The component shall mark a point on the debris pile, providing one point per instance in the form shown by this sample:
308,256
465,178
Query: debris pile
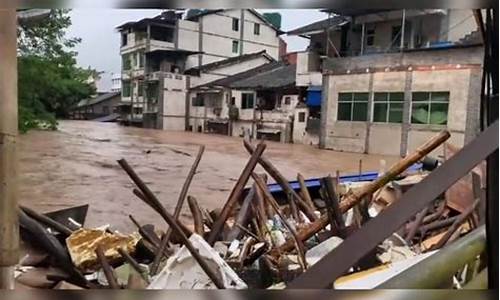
258,238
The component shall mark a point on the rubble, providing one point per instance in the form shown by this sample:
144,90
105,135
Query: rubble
254,239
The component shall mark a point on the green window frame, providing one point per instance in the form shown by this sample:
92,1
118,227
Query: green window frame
352,107
236,46
388,107
247,100
126,88
430,107
140,88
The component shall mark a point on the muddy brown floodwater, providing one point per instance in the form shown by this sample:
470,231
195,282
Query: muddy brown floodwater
77,165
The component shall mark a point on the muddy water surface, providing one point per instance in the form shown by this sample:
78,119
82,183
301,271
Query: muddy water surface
77,165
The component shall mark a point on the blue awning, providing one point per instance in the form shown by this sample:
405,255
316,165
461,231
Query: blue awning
313,96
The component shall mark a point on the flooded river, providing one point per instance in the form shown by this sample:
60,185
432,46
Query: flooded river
77,165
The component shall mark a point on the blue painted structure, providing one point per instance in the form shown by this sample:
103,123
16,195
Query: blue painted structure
313,96
314,183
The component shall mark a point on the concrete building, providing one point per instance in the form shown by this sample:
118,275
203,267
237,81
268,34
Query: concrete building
370,79
259,103
392,103
164,56
116,82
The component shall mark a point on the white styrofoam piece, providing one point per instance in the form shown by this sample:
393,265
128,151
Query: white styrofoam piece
183,272
317,252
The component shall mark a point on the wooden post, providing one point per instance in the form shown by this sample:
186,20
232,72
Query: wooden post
235,193
9,229
197,215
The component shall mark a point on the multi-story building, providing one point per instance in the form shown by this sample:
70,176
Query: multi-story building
384,81
157,52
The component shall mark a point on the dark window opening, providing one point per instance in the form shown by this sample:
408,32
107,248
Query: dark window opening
287,100
200,128
247,100
302,117
126,88
236,47
236,24
256,29
124,39
370,37
233,100
198,100
165,34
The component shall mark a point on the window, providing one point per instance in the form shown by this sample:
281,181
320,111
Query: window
429,107
236,47
126,63
140,88
396,36
133,60
256,29
124,39
137,110
198,100
287,100
370,36
233,100
302,117
126,88
246,100
352,107
388,107
236,24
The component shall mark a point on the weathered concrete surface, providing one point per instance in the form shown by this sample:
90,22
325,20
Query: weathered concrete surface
77,165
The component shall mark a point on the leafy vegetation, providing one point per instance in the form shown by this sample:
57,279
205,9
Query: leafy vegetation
49,81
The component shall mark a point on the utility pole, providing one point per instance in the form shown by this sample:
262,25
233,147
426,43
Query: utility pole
9,228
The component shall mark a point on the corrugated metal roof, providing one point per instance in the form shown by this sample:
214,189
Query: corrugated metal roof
316,27
281,76
98,99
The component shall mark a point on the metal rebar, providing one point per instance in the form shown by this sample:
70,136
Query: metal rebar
107,269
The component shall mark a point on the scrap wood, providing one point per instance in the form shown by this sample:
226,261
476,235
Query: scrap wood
108,270
352,198
283,182
363,241
39,237
178,208
197,215
332,203
243,215
416,224
172,222
270,199
436,225
455,226
460,195
235,193
65,231
304,191
436,214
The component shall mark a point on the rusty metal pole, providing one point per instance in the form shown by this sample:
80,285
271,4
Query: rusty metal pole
9,229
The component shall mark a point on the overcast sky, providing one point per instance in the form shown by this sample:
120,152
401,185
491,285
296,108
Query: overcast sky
100,46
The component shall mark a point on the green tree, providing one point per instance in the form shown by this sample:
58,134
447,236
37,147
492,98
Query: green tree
49,81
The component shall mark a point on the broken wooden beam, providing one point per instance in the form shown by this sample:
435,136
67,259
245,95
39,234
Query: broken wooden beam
178,208
304,192
243,215
197,215
332,205
172,222
65,231
283,182
235,194
415,225
106,267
